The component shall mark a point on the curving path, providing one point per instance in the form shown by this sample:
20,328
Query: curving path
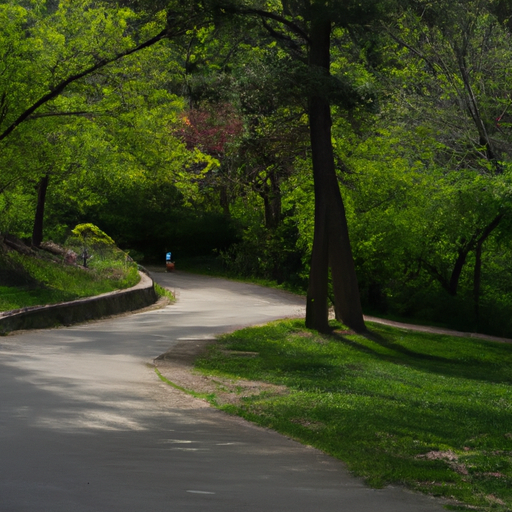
86,425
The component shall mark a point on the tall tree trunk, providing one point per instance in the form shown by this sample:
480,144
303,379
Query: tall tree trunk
275,198
453,284
37,232
477,279
270,192
316,302
224,201
477,273
331,244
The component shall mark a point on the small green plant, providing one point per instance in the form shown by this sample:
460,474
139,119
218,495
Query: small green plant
162,292
90,239
92,235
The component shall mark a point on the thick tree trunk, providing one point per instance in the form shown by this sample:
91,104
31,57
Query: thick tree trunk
316,304
477,279
331,245
37,232
453,284
344,278
270,192
224,201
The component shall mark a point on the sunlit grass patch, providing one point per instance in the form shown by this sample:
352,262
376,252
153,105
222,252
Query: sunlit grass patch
53,282
427,411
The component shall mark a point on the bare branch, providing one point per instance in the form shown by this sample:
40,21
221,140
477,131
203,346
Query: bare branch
59,88
269,15
63,114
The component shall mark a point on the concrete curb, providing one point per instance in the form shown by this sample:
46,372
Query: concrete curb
90,308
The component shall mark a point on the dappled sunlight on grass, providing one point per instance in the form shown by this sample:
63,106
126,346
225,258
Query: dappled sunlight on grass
56,282
428,411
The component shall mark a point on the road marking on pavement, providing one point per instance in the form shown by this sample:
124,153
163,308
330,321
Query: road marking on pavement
204,338
200,492
190,449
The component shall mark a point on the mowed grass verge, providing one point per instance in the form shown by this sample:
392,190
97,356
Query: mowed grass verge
431,412
50,282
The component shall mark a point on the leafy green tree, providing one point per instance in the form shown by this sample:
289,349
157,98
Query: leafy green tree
62,66
304,28
461,88
64,46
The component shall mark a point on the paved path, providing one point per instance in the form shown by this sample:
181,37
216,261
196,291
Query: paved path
86,425
436,330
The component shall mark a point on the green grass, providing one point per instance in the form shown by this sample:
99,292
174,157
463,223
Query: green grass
430,412
163,292
52,282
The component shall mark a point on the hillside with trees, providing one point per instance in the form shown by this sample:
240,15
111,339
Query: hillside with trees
357,151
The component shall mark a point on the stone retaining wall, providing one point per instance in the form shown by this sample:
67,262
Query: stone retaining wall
91,308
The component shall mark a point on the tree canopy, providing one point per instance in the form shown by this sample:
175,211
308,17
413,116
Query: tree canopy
262,134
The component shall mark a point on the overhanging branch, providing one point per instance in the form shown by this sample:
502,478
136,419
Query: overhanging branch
268,15
64,114
59,88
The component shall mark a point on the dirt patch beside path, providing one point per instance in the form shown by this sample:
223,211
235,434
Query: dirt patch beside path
177,365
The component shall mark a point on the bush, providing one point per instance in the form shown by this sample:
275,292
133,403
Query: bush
269,255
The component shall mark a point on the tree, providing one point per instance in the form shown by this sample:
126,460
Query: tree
462,89
212,129
55,58
48,51
299,25
303,28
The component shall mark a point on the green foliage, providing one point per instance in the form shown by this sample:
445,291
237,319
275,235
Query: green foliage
272,256
427,411
163,292
16,212
149,217
421,133
45,281
91,235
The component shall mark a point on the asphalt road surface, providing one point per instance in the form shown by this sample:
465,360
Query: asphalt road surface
86,425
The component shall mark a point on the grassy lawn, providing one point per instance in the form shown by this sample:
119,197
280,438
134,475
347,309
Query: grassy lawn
430,412
52,282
